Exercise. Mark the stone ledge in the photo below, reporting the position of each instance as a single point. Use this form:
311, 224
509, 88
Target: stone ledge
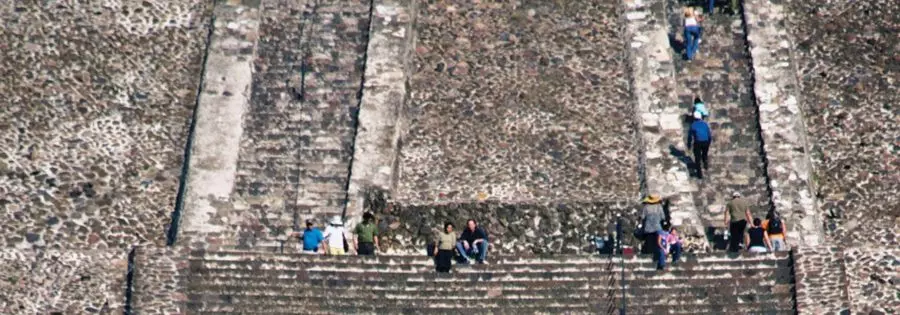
377, 140
781, 121
657, 111
66, 281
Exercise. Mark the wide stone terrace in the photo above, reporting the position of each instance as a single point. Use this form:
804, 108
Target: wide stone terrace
96, 104
851, 88
518, 101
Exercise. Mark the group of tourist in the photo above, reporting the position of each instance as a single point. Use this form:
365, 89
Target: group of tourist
759, 236
333, 241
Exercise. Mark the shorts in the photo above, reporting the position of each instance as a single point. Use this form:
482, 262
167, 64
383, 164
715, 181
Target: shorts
336, 251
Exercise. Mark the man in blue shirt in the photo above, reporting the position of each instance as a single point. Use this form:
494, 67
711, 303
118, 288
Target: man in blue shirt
312, 238
699, 139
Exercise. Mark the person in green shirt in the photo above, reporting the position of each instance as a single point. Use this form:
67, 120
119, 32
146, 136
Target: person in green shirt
366, 242
737, 215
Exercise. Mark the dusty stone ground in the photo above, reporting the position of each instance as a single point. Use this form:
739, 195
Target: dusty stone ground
518, 102
850, 77
94, 117
68, 282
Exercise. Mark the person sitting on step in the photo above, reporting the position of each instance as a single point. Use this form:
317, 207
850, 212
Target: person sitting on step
668, 243
756, 238
473, 241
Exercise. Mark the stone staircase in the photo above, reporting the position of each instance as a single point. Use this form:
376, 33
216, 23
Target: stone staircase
721, 75
299, 128
240, 282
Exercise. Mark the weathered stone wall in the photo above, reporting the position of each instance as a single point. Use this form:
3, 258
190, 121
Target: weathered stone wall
97, 97
833, 280
847, 63
160, 276
518, 102
552, 227
62, 281
873, 275
821, 280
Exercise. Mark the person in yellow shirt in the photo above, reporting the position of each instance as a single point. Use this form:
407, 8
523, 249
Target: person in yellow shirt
777, 230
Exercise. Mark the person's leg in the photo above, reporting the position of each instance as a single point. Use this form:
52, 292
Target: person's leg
737, 234
660, 259
697, 159
676, 253
777, 244
462, 252
704, 154
735, 6
687, 43
712, 4
482, 251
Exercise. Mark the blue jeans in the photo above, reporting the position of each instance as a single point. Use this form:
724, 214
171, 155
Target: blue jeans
711, 5
675, 249
481, 250
691, 41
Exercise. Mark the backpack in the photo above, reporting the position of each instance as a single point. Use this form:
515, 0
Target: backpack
775, 226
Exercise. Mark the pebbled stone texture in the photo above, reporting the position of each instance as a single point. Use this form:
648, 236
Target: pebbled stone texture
659, 114
552, 227
874, 279
720, 75
94, 120
781, 121
518, 102
298, 131
850, 80
860, 279
62, 281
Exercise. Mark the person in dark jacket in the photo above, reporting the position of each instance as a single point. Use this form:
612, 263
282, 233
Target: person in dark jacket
473, 241
443, 249
699, 139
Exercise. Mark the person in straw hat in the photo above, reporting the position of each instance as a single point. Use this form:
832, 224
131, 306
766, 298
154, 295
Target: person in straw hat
651, 218
335, 236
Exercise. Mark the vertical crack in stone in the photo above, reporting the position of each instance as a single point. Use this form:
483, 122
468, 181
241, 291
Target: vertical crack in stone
129, 282
172, 233
355, 113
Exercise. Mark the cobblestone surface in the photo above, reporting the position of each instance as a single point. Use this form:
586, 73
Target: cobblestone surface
861, 279
850, 77
518, 101
299, 129
96, 103
720, 75
556, 227
62, 282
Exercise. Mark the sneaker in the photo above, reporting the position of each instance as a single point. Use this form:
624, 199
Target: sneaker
482, 262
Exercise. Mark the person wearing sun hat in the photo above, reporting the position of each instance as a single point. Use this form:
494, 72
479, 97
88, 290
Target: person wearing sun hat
651, 218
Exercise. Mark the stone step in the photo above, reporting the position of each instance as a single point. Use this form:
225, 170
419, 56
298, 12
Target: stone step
499, 259
211, 308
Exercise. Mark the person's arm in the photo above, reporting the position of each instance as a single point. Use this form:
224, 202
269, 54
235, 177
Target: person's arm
356, 238
768, 243
690, 139
375, 237
749, 217
462, 238
482, 236
783, 231
727, 215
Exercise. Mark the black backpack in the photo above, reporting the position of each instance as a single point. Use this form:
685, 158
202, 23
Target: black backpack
775, 226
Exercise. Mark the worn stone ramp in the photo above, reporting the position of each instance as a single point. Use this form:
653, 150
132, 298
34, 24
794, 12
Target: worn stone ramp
241, 282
